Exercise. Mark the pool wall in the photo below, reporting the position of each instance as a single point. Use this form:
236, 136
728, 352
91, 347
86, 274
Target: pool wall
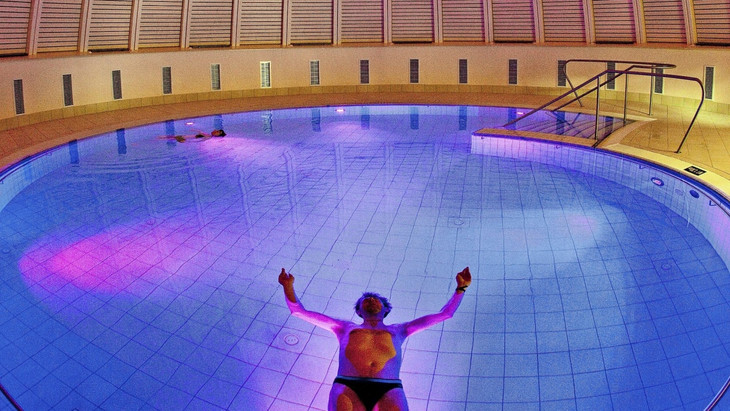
698, 205
339, 72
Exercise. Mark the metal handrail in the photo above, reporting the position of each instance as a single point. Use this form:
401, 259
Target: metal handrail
634, 64
597, 87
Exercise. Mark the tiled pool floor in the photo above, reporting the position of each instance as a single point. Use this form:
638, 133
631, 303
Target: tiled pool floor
145, 277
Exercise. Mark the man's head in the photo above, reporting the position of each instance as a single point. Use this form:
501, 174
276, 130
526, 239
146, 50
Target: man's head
373, 303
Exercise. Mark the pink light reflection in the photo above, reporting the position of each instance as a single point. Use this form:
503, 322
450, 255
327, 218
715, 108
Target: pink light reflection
106, 262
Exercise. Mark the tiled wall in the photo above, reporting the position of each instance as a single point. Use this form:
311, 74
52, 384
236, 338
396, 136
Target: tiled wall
699, 206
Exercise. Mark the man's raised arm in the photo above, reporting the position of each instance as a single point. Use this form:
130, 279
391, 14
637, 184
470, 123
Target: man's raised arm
298, 310
463, 280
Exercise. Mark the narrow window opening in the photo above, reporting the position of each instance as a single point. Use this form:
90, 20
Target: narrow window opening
709, 82
658, 81
463, 71
512, 71
265, 74
562, 76
314, 73
611, 77
117, 84
19, 100
364, 71
166, 80
68, 94
215, 76
414, 71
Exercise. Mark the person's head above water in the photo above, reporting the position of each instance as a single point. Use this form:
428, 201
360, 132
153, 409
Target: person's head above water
384, 305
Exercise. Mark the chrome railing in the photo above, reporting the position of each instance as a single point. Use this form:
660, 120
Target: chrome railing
613, 75
632, 65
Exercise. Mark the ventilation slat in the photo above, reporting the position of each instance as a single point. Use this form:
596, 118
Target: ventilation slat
563, 20
362, 21
513, 21
412, 21
463, 20
664, 21
311, 22
261, 22
210, 23
160, 23
14, 19
712, 21
58, 27
614, 21
109, 24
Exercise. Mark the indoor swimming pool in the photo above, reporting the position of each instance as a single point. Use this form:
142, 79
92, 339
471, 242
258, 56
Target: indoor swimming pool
138, 269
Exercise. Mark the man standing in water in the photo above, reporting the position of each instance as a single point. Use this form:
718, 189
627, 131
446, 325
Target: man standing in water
370, 353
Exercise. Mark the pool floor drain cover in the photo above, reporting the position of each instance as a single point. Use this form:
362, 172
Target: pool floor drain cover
666, 266
291, 339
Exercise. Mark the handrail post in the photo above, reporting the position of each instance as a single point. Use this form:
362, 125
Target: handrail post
598, 103
651, 90
626, 93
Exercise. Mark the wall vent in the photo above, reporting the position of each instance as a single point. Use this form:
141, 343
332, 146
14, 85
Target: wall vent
166, 80
512, 71
117, 84
265, 74
562, 77
611, 77
709, 81
215, 76
19, 103
314, 73
658, 81
414, 71
463, 71
68, 94
364, 71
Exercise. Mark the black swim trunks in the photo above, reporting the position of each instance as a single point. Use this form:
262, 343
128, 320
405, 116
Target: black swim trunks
369, 390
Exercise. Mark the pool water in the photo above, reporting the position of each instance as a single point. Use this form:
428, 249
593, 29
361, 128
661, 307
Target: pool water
141, 271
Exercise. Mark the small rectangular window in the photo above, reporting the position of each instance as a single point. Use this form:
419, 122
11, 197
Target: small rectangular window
117, 84
265, 74
314, 73
562, 76
414, 71
709, 82
19, 101
215, 76
658, 81
512, 71
611, 77
463, 71
364, 71
166, 80
68, 94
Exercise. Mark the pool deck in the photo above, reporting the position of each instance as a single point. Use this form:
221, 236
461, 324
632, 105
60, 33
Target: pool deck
656, 140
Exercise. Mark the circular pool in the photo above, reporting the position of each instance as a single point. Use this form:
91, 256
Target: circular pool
139, 268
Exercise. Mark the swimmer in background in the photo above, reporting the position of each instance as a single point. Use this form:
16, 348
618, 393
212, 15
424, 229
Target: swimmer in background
200, 136
370, 353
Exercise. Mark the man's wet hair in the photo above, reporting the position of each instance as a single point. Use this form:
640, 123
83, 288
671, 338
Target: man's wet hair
386, 304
